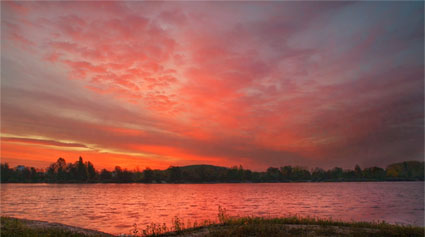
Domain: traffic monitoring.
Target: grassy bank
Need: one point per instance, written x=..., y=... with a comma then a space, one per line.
x=225, y=226
x=282, y=226
x=295, y=226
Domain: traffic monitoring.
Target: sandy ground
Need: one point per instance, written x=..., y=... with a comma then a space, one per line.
x=45, y=224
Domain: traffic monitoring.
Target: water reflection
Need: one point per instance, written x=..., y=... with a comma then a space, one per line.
x=114, y=208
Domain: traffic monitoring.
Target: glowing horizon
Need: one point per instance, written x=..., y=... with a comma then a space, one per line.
x=154, y=84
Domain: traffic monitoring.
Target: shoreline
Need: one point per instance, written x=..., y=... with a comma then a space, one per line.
x=37, y=224
x=403, y=171
x=226, y=226
x=288, y=182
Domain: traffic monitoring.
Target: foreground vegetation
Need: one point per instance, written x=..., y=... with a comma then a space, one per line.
x=81, y=172
x=282, y=226
x=294, y=226
x=230, y=226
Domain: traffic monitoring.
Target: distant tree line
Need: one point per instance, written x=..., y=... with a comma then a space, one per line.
x=84, y=172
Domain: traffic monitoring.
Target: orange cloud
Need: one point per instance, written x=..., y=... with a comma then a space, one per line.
x=32, y=154
x=173, y=83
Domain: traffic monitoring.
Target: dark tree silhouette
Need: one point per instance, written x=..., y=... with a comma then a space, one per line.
x=147, y=175
x=82, y=172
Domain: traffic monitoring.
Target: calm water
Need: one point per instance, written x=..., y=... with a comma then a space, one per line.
x=114, y=208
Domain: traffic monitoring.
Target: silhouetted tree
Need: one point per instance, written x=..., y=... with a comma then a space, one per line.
x=6, y=172
x=375, y=173
x=247, y=175
x=147, y=175
x=411, y=170
x=273, y=174
x=105, y=175
x=300, y=173
x=175, y=174
x=82, y=170
x=335, y=173
x=349, y=175
x=60, y=171
x=232, y=174
x=91, y=171
x=358, y=171
x=286, y=172
x=318, y=174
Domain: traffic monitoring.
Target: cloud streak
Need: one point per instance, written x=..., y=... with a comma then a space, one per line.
x=41, y=142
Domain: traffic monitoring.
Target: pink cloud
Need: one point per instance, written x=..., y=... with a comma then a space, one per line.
x=182, y=81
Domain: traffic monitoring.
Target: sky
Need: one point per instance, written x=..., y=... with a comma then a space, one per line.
x=257, y=84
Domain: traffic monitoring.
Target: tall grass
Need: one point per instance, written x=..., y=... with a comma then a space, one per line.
x=178, y=227
x=226, y=225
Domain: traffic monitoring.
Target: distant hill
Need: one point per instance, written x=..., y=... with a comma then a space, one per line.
x=202, y=166
x=198, y=173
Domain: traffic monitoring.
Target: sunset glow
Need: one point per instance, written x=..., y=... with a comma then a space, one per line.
x=154, y=84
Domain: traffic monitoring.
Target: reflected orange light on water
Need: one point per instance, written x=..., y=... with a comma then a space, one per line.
x=114, y=208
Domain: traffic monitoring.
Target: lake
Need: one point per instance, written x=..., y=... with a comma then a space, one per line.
x=114, y=208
